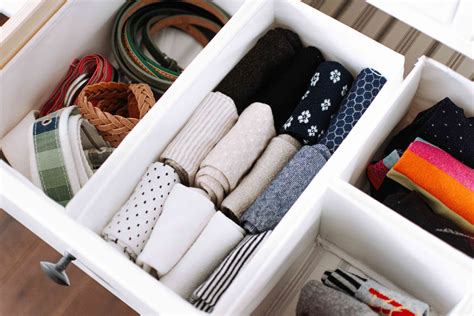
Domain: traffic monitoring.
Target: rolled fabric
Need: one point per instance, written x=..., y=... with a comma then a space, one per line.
x=236, y=152
x=185, y=214
x=412, y=206
x=445, y=183
x=58, y=163
x=218, y=238
x=277, y=154
x=276, y=47
x=206, y=296
x=377, y=171
x=131, y=227
x=365, y=88
x=444, y=125
x=317, y=299
x=326, y=89
x=270, y=207
x=14, y=146
x=381, y=299
x=212, y=119
x=284, y=92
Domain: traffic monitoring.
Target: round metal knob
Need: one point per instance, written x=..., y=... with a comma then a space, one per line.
x=56, y=271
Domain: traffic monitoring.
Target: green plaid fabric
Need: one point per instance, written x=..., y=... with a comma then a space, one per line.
x=49, y=159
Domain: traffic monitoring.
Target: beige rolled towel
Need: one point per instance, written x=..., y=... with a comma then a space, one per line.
x=235, y=154
x=277, y=154
x=212, y=119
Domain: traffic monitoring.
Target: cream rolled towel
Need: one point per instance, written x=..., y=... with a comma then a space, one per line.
x=15, y=144
x=235, y=154
x=185, y=214
x=131, y=227
x=220, y=236
x=212, y=119
x=277, y=154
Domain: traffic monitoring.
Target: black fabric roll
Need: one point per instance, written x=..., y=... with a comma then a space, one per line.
x=242, y=83
x=283, y=92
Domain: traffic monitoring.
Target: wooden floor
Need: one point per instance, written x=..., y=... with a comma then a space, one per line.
x=25, y=290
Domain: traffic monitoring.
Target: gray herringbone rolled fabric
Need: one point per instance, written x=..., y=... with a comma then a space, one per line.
x=212, y=119
x=270, y=207
x=277, y=154
x=317, y=299
x=235, y=154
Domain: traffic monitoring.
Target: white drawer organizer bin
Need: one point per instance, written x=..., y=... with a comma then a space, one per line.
x=76, y=228
x=357, y=228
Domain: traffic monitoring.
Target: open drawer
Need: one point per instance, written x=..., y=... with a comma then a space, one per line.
x=76, y=228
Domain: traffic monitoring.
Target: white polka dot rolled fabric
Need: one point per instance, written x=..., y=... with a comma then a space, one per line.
x=132, y=225
x=212, y=119
x=185, y=214
x=220, y=236
x=277, y=154
x=235, y=154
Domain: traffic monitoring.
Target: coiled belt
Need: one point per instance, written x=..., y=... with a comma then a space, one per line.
x=138, y=21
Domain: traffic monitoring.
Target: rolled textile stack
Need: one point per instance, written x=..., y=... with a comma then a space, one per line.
x=327, y=88
x=236, y=152
x=185, y=214
x=254, y=70
x=211, y=120
x=270, y=207
x=365, y=88
x=284, y=92
x=277, y=154
x=217, y=239
x=131, y=227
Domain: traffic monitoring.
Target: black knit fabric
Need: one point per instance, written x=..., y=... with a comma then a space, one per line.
x=283, y=92
x=443, y=125
x=412, y=207
x=324, y=93
x=276, y=47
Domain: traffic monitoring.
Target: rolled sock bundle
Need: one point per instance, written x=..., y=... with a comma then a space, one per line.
x=412, y=206
x=236, y=152
x=276, y=47
x=382, y=300
x=277, y=154
x=131, y=226
x=270, y=207
x=206, y=296
x=328, y=86
x=14, y=144
x=212, y=119
x=217, y=239
x=443, y=125
x=58, y=164
x=376, y=172
x=185, y=214
x=317, y=299
x=445, y=183
x=365, y=88
x=284, y=92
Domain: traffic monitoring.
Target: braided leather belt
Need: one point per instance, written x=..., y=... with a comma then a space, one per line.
x=139, y=21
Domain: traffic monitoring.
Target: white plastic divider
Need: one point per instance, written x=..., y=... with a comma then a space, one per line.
x=381, y=244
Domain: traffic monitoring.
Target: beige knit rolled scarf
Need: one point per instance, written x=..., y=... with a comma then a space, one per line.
x=235, y=154
x=212, y=119
x=277, y=154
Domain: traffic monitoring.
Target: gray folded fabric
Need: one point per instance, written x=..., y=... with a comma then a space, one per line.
x=236, y=152
x=270, y=207
x=317, y=299
x=212, y=119
x=277, y=154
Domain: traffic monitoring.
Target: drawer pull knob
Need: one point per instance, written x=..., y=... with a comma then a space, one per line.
x=56, y=271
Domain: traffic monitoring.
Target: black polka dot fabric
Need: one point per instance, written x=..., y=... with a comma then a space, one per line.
x=443, y=125
x=132, y=225
x=328, y=86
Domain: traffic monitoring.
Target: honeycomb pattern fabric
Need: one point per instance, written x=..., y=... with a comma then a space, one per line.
x=363, y=91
